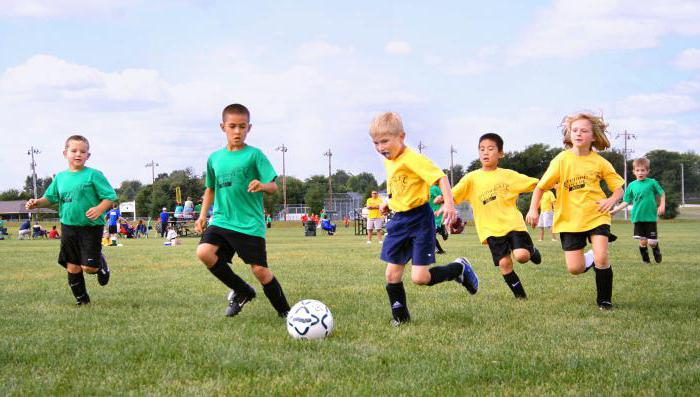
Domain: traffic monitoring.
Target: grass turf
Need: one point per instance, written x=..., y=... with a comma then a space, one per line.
x=158, y=327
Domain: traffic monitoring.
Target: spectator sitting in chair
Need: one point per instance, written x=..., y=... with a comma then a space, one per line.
x=125, y=229
x=328, y=226
x=178, y=211
x=141, y=230
x=25, y=230
x=53, y=234
x=38, y=231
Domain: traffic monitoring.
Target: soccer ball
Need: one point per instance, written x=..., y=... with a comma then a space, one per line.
x=309, y=319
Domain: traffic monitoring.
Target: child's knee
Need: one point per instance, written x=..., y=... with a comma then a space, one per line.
x=263, y=274
x=88, y=269
x=600, y=258
x=393, y=275
x=643, y=242
x=420, y=279
x=206, y=255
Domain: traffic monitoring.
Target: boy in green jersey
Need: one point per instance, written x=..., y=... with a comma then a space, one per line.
x=237, y=177
x=642, y=194
x=83, y=194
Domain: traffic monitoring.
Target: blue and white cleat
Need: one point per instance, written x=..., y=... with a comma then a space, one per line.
x=468, y=278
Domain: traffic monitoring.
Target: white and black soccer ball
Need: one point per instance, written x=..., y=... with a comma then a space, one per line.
x=309, y=319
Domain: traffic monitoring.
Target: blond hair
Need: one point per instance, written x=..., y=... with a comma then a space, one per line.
x=78, y=138
x=642, y=161
x=599, y=126
x=388, y=123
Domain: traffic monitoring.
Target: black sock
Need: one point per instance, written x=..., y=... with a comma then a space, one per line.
x=604, y=284
x=645, y=253
x=274, y=293
x=515, y=285
x=397, y=300
x=76, y=281
x=223, y=272
x=656, y=248
x=448, y=272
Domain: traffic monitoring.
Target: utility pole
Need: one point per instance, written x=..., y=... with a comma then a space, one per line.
x=682, y=186
x=282, y=148
x=452, y=164
x=626, y=136
x=330, y=183
x=31, y=152
x=153, y=166
x=421, y=146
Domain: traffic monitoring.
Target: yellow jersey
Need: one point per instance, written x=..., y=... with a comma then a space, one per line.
x=409, y=177
x=576, y=208
x=374, y=213
x=548, y=200
x=493, y=196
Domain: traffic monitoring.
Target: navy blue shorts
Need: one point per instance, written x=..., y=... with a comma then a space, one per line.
x=410, y=235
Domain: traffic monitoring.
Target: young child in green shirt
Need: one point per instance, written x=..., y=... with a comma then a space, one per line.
x=83, y=194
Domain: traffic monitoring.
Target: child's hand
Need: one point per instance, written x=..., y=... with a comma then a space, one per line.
x=31, y=203
x=255, y=186
x=606, y=205
x=438, y=200
x=449, y=213
x=661, y=211
x=532, y=217
x=384, y=208
x=200, y=224
x=93, y=213
x=614, y=210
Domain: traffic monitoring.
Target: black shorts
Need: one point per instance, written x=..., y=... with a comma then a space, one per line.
x=502, y=246
x=80, y=245
x=112, y=229
x=251, y=249
x=645, y=230
x=574, y=241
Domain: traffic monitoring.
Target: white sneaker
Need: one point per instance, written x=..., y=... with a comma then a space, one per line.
x=369, y=242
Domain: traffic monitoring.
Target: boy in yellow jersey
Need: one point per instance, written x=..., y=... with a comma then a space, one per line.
x=375, y=219
x=582, y=211
x=411, y=231
x=547, y=213
x=492, y=193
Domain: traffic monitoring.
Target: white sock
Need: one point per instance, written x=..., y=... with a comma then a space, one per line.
x=588, y=258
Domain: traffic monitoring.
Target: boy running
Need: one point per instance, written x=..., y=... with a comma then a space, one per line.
x=492, y=192
x=411, y=232
x=83, y=194
x=237, y=177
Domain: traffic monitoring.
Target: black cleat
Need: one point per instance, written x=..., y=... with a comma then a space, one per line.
x=283, y=314
x=103, y=272
x=468, y=278
x=82, y=300
x=657, y=254
x=535, y=256
x=236, y=302
x=398, y=323
x=605, y=305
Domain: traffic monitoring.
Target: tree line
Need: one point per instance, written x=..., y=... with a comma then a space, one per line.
x=313, y=191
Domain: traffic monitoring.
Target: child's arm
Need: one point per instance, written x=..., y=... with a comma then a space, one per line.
x=201, y=223
x=662, y=205
x=37, y=203
x=619, y=207
x=608, y=203
x=448, y=207
x=533, y=215
x=95, y=212
x=256, y=186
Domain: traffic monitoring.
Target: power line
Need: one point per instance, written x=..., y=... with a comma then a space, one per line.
x=153, y=166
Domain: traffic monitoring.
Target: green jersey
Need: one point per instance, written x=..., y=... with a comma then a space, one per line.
x=78, y=191
x=229, y=173
x=434, y=192
x=642, y=196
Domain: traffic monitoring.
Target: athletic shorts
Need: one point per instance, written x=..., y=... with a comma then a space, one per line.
x=645, y=230
x=578, y=240
x=251, y=249
x=410, y=235
x=80, y=245
x=502, y=246
x=375, y=223
x=112, y=229
x=546, y=219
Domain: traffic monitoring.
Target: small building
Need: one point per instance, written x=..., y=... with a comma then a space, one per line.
x=15, y=210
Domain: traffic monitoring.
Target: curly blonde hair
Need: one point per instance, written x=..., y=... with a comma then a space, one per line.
x=599, y=126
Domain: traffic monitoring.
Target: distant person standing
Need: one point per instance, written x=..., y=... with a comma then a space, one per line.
x=164, y=222
x=375, y=219
x=113, y=218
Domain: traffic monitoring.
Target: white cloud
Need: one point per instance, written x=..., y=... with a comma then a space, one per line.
x=688, y=59
x=59, y=8
x=397, y=48
x=320, y=49
x=688, y=87
x=654, y=104
x=572, y=28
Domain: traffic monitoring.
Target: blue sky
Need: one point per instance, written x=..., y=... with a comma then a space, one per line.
x=148, y=79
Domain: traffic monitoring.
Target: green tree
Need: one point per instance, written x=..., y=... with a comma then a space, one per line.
x=364, y=183
x=127, y=190
x=41, y=185
x=14, y=194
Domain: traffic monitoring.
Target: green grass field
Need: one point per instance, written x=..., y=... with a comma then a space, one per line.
x=158, y=327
